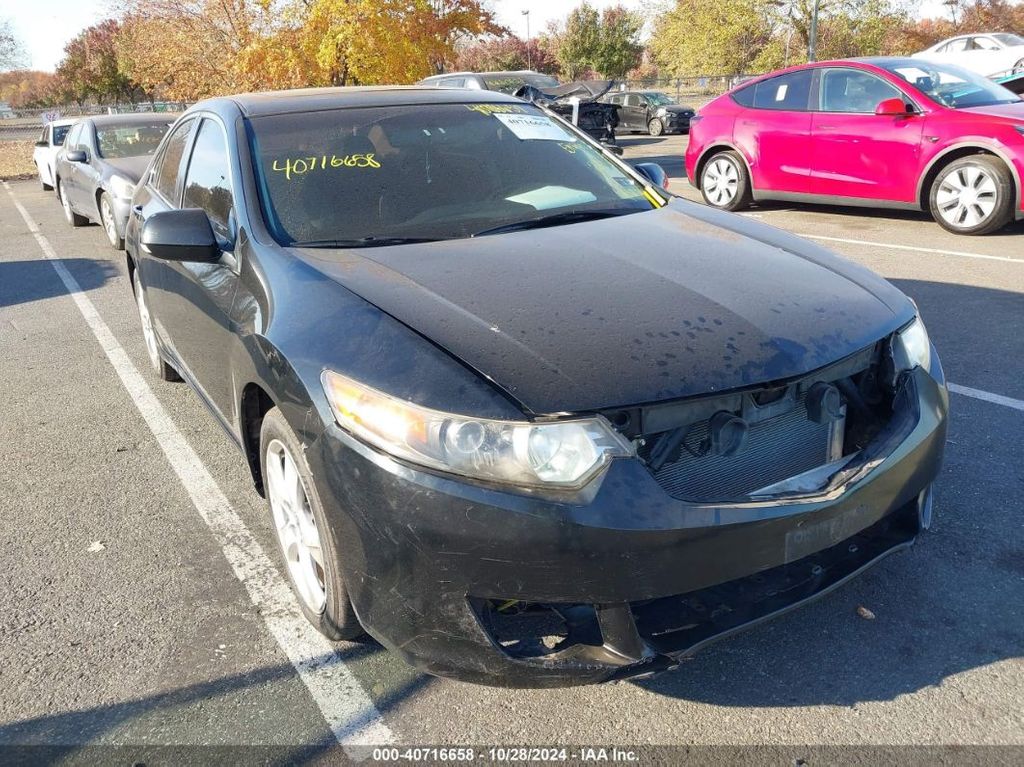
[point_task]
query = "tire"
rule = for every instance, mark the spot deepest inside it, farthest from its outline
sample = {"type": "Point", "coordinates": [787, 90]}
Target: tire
{"type": "Point", "coordinates": [157, 363]}
{"type": "Point", "coordinates": [973, 195]}
{"type": "Point", "coordinates": [1018, 67]}
{"type": "Point", "coordinates": [725, 183]}
{"type": "Point", "coordinates": [109, 222]}
{"type": "Point", "coordinates": [42, 184]}
{"type": "Point", "coordinates": [655, 127]}
{"type": "Point", "coordinates": [318, 585]}
{"type": "Point", "coordinates": [72, 218]}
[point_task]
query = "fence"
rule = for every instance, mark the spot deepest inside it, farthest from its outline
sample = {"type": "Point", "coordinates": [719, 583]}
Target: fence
{"type": "Point", "coordinates": [27, 124]}
{"type": "Point", "coordinates": [693, 89]}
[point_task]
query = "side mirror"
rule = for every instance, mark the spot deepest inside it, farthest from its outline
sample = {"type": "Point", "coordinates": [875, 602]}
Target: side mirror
{"type": "Point", "coordinates": [76, 155]}
{"type": "Point", "coordinates": [894, 108]}
{"type": "Point", "coordinates": [180, 235]}
{"type": "Point", "coordinates": [653, 173]}
{"type": "Point", "coordinates": [43, 144]}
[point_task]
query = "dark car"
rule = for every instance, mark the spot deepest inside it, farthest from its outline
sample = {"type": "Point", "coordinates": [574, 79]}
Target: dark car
{"type": "Point", "coordinates": [518, 414]}
{"type": "Point", "coordinates": [101, 162]}
{"type": "Point", "coordinates": [650, 112]}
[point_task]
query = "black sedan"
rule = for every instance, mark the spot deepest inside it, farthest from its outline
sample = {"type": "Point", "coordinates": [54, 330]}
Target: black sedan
{"type": "Point", "coordinates": [650, 112]}
{"type": "Point", "coordinates": [518, 414]}
{"type": "Point", "coordinates": [101, 162]}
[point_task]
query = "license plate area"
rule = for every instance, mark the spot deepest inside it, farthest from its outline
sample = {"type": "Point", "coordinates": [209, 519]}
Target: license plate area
{"type": "Point", "coordinates": [815, 536]}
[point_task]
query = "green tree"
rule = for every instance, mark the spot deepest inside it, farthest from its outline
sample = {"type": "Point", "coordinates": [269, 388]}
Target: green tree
{"type": "Point", "coordinates": [695, 37]}
{"type": "Point", "coordinates": [578, 43]}
{"type": "Point", "coordinates": [91, 67]}
{"type": "Point", "coordinates": [619, 46]}
{"type": "Point", "coordinates": [605, 43]}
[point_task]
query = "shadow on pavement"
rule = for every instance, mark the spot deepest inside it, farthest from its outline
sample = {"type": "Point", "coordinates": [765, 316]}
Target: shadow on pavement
{"type": "Point", "coordinates": [22, 282]}
{"type": "Point", "coordinates": [954, 603]}
{"type": "Point", "coordinates": [80, 732]}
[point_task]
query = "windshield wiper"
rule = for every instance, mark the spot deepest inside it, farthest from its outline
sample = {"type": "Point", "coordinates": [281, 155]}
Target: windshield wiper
{"type": "Point", "coordinates": [362, 242]}
{"type": "Point", "coordinates": [555, 219]}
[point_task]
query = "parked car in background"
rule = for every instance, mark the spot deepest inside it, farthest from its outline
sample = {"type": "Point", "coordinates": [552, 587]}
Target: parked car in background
{"type": "Point", "coordinates": [99, 165]}
{"type": "Point", "coordinates": [44, 156]}
{"type": "Point", "coordinates": [998, 53]}
{"type": "Point", "coordinates": [518, 414]}
{"type": "Point", "coordinates": [881, 133]}
{"type": "Point", "coordinates": [503, 82]}
{"type": "Point", "coordinates": [651, 112]}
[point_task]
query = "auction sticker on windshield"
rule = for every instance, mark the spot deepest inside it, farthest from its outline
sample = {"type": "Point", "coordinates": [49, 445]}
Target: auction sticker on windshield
{"type": "Point", "coordinates": [535, 127]}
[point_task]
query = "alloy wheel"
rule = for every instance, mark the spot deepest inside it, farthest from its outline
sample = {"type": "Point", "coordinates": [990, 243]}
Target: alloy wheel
{"type": "Point", "coordinates": [967, 196]}
{"type": "Point", "coordinates": [721, 181]}
{"type": "Point", "coordinates": [296, 527]}
{"type": "Point", "coordinates": [109, 224]}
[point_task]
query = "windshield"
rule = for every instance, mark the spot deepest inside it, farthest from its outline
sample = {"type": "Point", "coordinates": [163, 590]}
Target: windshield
{"type": "Point", "coordinates": [1008, 39]}
{"type": "Point", "coordinates": [511, 83]}
{"type": "Point", "coordinates": [659, 99]}
{"type": "Point", "coordinates": [116, 141]}
{"type": "Point", "coordinates": [428, 172]}
{"type": "Point", "coordinates": [59, 132]}
{"type": "Point", "coordinates": [951, 86]}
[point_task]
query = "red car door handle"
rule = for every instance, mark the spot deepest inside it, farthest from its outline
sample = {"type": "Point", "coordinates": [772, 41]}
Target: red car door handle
{"type": "Point", "coordinates": [825, 127]}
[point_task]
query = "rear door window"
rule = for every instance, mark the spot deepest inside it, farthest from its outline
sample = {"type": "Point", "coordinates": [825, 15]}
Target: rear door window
{"type": "Point", "coordinates": [789, 92]}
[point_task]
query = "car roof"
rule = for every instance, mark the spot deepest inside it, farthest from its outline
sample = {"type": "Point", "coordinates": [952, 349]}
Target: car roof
{"type": "Point", "coordinates": [497, 73]}
{"type": "Point", "coordinates": [319, 99]}
{"type": "Point", "coordinates": [64, 121]}
{"type": "Point", "coordinates": [133, 118]}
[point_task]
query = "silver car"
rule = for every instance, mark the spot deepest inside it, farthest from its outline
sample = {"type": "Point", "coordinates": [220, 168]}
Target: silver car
{"type": "Point", "coordinates": [101, 162]}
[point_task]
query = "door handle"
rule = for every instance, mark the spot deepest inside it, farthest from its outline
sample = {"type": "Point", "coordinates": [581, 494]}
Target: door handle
{"type": "Point", "coordinates": [825, 127]}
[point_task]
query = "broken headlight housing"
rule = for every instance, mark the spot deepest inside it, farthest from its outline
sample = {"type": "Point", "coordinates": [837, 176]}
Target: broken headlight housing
{"type": "Point", "coordinates": [911, 347]}
{"type": "Point", "coordinates": [564, 454]}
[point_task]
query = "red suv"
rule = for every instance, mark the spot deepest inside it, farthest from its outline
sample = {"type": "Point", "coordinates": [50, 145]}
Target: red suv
{"type": "Point", "coordinates": [880, 132]}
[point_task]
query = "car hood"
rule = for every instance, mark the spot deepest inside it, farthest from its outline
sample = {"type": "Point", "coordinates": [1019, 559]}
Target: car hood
{"type": "Point", "coordinates": [131, 168]}
{"type": "Point", "coordinates": [647, 307]}
{"type": "Point", "coordinates": [1014, 111]}
{"type": "Point", "coordinates": [678, 109]}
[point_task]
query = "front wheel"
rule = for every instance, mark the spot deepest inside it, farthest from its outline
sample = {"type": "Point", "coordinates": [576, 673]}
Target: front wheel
{"type": "Point", "coordinates": [973, 195]}
{"type": "Point", "coordinates": [42, 181]}
{"type": "Point", "coordinates": [656, 127]}
{"type": "Point", "coordinates": [303, 533]}
{"type": "Point", "coordinates": [109, 221]}
{"type": "Point", "coordinates": [724, 182]}
{"type": "Point", "coordinates": [1018, 68]}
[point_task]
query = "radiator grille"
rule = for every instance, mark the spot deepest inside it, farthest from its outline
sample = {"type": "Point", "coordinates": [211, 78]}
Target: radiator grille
{"type": "Point", "coordinates": [776, 449]}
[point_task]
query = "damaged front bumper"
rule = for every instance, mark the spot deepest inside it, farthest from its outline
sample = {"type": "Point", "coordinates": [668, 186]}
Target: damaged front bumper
{"type": "Point", "coordinates": [620, 580]}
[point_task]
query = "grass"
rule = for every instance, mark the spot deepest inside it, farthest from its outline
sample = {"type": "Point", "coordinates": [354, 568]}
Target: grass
{"type": "Point", "coordinates": [16, 160]}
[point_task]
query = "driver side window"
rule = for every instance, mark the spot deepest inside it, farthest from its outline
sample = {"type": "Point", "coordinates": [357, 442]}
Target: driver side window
{"type": "Point", "coordinates": [852, 91]}
{"type": "Point", "coordinates": [165, 176]}
{"type": "Point", "coordinates": [208, 183]}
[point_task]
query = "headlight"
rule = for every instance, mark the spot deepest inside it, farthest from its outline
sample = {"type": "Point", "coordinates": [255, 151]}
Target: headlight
{"type": "Point", "coordinates": [558, 453]}
{"type": "Point", "coordinates": [662, 112]}
{"type": "Point", "coordinates": [1020, 129]}
{"type": "Point", "coordinates": [912, 348]}
{"type": "Point", "coordinates": [121, 187]}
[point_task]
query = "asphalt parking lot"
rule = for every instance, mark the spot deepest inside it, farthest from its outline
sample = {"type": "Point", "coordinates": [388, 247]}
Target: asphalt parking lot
{"type": "Point", "coordinates": [142, 603]}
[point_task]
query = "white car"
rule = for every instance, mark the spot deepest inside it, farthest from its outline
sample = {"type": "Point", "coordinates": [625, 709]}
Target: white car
{"type": "Point", "coordinates": [45, 153]}
{"type": "Point", "coordinates": [988, 54]}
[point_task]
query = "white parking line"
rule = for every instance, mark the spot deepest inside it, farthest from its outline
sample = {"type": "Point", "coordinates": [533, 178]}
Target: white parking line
{"type": "Point", "coordinates": [348, 710]}
{"type": "Point", "coordinates": [911, 248]}
{"type": "Point", "coordinates": [995, 399]}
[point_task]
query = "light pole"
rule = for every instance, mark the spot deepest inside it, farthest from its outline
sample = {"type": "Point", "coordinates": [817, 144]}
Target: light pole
{"type": "Point", "coordinates": [529, 54]}
{"type": "Point", "coordinates": [812, 45]}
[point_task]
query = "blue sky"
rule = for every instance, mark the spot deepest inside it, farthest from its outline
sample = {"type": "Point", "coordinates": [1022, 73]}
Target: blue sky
{"type": "Point", "coordinates": [45, 26]}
